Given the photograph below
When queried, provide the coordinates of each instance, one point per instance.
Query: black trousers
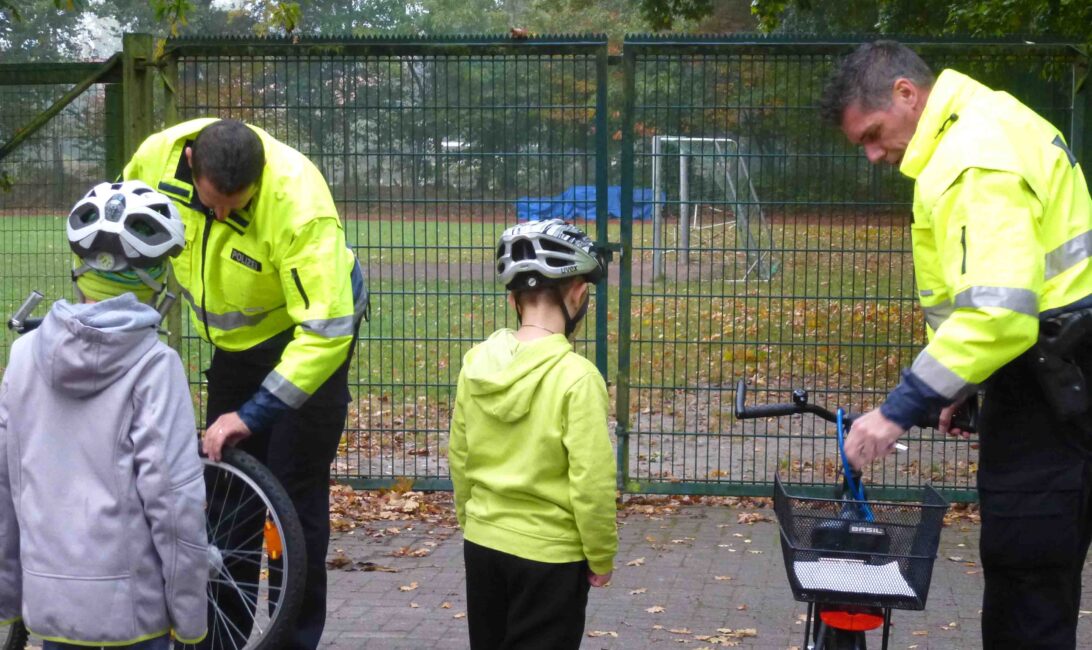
(299, 450)
(1035, 488)
(518, 604)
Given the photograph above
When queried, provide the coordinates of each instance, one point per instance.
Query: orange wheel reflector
(851, 621)
(272, 540)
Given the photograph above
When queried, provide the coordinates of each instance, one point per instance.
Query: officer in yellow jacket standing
(272, 285)
(1002, 240)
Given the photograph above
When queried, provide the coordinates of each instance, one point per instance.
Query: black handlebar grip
(744, 412)
(741, 397)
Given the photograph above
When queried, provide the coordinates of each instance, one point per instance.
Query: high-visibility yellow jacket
(1002, 237)
(280, 264)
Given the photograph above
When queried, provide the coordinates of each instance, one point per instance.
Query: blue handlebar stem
(856, 490)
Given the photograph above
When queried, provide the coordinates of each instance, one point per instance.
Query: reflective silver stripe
(925, 292)
(937, 314)
(1023, 301)
(939, 378)
(1075, 250)
(230, 321)
(284, 390)
(330, 327)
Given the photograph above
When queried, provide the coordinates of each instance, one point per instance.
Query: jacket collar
(178, 184)
(950, 94)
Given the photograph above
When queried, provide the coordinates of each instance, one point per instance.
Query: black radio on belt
(1053, 356)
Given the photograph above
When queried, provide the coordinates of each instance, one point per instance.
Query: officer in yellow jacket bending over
(272, 285)
(1002, 240)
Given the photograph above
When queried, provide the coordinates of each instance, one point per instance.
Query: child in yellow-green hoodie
(530, 456)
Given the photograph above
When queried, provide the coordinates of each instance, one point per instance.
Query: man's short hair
(866, 77)
(229, 155)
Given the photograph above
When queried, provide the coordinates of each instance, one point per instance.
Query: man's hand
(597, 580)
(872, 437)
(228, 429)
(945, 421)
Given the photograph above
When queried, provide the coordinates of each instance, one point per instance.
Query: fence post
(602, 185)
(170, 116)
(137, 72)
(625, 269)
(115, 136)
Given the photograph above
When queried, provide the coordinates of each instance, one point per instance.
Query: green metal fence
(766, 248)
(46, 165)
(781, 257)
(426, 145)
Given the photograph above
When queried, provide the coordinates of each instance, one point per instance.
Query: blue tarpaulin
(578, 202)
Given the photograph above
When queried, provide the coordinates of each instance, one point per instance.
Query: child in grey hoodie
(102, 526)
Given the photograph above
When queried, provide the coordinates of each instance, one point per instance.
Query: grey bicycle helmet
(543, 253)
(121, 226)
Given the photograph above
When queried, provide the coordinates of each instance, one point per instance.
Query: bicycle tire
(16, 636)
(274, 608)
(832, 638)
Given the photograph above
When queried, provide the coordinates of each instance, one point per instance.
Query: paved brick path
(707, 571)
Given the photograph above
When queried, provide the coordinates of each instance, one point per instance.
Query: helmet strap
(76, 273)
(157, 287)
(572, 321)
(160, 289)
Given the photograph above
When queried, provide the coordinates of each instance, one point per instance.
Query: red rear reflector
(851, 621)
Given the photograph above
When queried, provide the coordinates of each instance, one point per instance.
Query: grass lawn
(838, 310)
(837, 316)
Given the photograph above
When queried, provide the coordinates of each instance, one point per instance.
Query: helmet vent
(554, 246)
(141, 227)
(86, 215)
(522, 250)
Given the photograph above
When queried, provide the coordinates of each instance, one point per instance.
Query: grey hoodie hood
(79, 349)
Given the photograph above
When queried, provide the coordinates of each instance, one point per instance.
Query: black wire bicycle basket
(871, 554)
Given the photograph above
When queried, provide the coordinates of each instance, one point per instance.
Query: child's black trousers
(513, 603)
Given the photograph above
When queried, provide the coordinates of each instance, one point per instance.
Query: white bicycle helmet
(121, 226)
(543, 253)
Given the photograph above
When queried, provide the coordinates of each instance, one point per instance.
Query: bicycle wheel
(257, 564)
(831, 638)
(15, 637)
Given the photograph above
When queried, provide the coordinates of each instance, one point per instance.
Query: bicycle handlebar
(965, 418)
(19, 321)
(799, 405)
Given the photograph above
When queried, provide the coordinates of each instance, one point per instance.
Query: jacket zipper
(299, 285)
(204, 286)
(963, 244)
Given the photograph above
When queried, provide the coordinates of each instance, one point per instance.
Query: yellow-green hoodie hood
(503, 374)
